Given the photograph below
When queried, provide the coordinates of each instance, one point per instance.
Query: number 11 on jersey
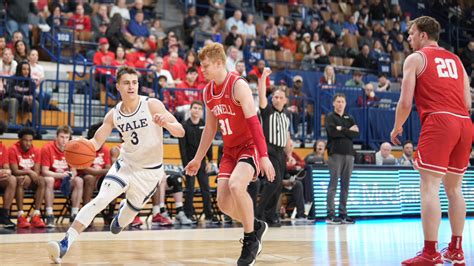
(225, 127)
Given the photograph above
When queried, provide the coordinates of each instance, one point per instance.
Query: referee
(276, 123)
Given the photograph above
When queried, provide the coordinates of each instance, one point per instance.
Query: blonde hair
(427, 24)
(214, 51)
(329, 80)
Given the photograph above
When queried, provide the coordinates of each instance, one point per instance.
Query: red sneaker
(22, 222)
(455, 256)
(162, 220)
(137, 222)
(424, 259)
(37, 222)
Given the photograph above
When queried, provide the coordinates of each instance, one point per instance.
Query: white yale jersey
(142, 138)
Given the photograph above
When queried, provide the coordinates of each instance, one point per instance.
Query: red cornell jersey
(54, 158)
(3, 155)
(440, 84)
(230, 116)
(24, 160)
(102, 158)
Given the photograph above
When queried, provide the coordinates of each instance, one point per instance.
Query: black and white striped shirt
(276, 125)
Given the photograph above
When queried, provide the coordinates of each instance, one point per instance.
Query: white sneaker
(183, 219)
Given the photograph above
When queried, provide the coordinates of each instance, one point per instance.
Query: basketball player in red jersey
(230, 105)
(440, 85)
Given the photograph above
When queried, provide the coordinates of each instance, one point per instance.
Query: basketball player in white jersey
(138, 170)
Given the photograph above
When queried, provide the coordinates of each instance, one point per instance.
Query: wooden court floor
(368, 242)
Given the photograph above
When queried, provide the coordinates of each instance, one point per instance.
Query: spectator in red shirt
(289, 42)
(184, 98)
(258, 70)
(175, 65)
(7, 182)
(25, 160)
(58, 174)
(80, 21)
(121, 58)
(99, 168)
(103, 60)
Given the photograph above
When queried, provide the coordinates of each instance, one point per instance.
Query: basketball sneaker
(333, 220)
(50, 221)
(455, 256)
(249, 252)
(162, 219)
(424, 259)
(114, 226)
(57, 250)
(260, 231)
(182, 219)
(346, 220)
(137, 222)
(37, 222)
(22, 222)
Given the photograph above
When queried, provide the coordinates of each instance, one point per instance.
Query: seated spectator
(400, 45)
(54, 20)
(258, 71)
(407, 157)
(232, 58)
(103, 60)
(252, 53)
(59, 175)
(289, 42)
(239, 44)
(298, 108)
(268, 42)
(121, 9)
(81, 23)
(217, 7)
(383, 156)
(7, 68)
(37, 74)
(163, 72)
(184, 97)
(232, 36)
(339, 50)
(320, 56)
(7, 183)
(17, 36)
(315, 41)
(240, 68)
(25, 163)
(146, 82)
(305, 45)
(363, 59)
(249, 30)
(383, 83)
(235, 20)
(21, 51)
(20, 93)
(191, 22)
(115, 33)
(3, 45)
(121, 58)
(175, 65)
(17, 17)
(335, 26)
(293, 186)
(356, 80)
(99, 168)
(100, 17)
(282, 28)
(377, 51)
(367, 39)
(139, 7)
(299, 28)
(137, 27)
(317, 156)
(328, 80)
(370, 98)
(157, 30)
(351, 26)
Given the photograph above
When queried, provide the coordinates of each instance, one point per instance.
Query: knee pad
(175, 183)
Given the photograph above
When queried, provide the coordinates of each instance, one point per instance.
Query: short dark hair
(338, 95)
(427, 24)
(26, 131)
(191, 69)
(92, 129)
(407, 142)
(126, 70)
(252, 77)
(196, 102)
(315, 145)
(64, 129)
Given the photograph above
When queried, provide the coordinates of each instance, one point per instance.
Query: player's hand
(267, 168)
(266, 72)
(160, 120)
(394, 135)
(192, 168)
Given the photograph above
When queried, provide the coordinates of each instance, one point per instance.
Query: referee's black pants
(266, 209)
(203, 179)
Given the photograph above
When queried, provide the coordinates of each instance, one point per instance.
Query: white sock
(36, 212)
(74, 211)
(71, 235)
(156, 210)
(20, 213)
(179, 204)
(49, 210)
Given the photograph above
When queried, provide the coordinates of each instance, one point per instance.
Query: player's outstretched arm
(411, 68)
(243, 95)
(104, 131)
(165, 119)
(207, 136)
(262, 88)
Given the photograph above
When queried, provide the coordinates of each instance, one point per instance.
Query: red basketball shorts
(233, 155)
(444, 144)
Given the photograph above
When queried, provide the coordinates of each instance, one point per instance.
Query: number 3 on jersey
(134, 136)
(446, 68)
(225, 127)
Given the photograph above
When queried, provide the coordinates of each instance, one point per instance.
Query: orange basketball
(79, 153)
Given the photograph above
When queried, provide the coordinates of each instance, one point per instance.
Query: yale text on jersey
(133, 125)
